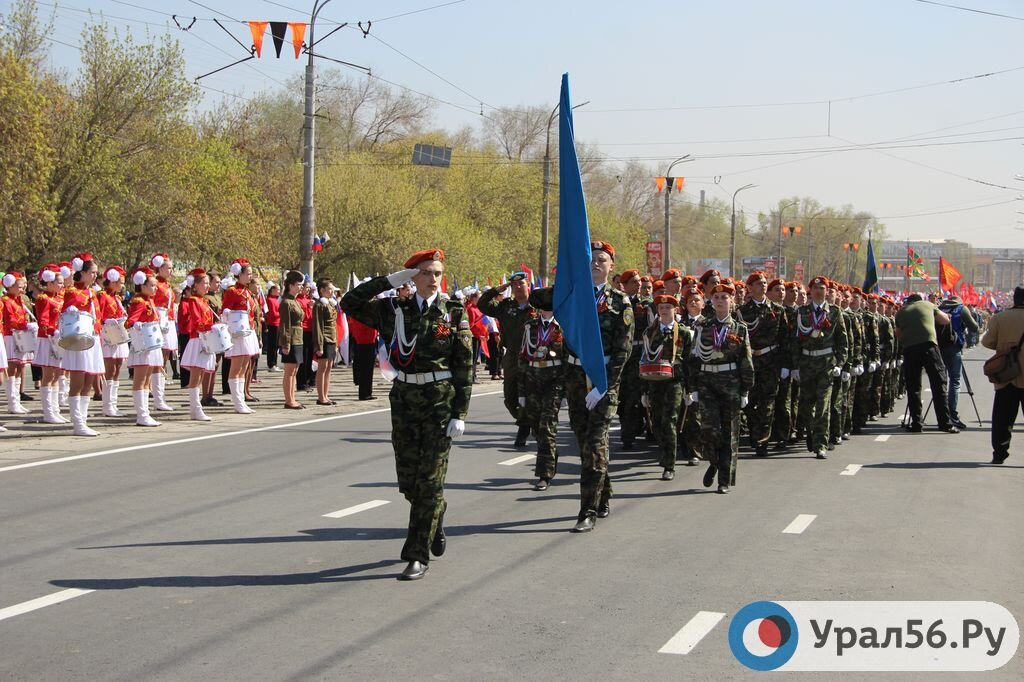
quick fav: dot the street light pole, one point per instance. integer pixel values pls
(778, 264)
(307, 217)
(732, 231)
(669, 181)
(546, 214)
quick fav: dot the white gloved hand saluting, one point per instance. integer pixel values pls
(693, 398)
(784, 374)
(456, 427)
(845, 376)
(835, 372)
(522, 401)
(397, 279)
(744, 401)
(593, 398)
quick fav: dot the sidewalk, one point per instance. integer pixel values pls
(28, 438)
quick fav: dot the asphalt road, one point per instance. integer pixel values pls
(214, 560)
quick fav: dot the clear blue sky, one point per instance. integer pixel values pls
(670, 55)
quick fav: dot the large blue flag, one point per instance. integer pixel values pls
(871, 274)
(575, 303)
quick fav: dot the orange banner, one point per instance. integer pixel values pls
(298, 35)
(258, 28)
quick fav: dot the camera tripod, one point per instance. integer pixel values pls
(970, 392)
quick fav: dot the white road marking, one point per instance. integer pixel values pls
(348, 511)
(800, 524)
(690, 634)
(41, 602)
(196, 439)
(882, 439)
(517, 460)
(851, 470)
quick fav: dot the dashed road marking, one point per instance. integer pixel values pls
(349, 511)
(851, 470)
(800, 524)
(41, 602)
(692, 633)
(882, 439)
(517, 460)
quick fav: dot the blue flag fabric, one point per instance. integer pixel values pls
(575, 303)
(871, 274)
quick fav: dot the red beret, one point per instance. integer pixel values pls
(693, 293)
(671, 273)
(723, 287)
(424, 256)
(690, 280)
(776, 282)
(820, 280)
(628, 275)
(666, 298)
(758, 274)
(707, 274)
(646, 278)
(603, 246)
(658, 284)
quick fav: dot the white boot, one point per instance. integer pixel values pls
(55, 406)
(12, 397)
(79, 405)
(142, 418)
(159, 385)
(64, 385)
(237, 387)
(195, 410)
(110, 399)
(46, 396)
(17, 397)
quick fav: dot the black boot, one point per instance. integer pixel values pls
(521, 435)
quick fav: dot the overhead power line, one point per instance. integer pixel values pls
(970, 9)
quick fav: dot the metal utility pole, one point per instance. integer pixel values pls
(732, 231)
(669, 181)
(307, 217)
(546, 215)
(778, 262)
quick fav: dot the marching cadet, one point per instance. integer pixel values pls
(869, 360)
(631, 410)
(887, 353)
(647, 287)
(841, 385)
(707, 282)
(666, 345)
(892, 374)
(821, 352)
(590, 411)
(543, 379)
(851, 307)
(512, 314)
(778, 291)
(673, 280)
(431, 346)
(721, 376)
(768, 332)
(693, 307)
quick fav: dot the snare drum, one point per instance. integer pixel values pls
(114, 332)
(25, 340)
(656, 371)
(147, 337)
(217, 340)
(238, 323)
(77, 330)
(165, 322)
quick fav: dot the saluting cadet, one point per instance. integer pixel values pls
(768, 332)
(431, 346)
(512, 314)
(631, 391)
(543, 379)
(721, 376)
(666, 345)
(590, 411)
(820, 350)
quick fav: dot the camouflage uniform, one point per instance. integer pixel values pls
(856, 360)
(840, 388)
(666, 396)
(886, 348)
(787, 397)
(541, 369)
(869, 354)
(817, 355)
(719, 383)
(767, 329)
(615, 315)
(442, 343)
(632, 413)
(511, 319)
(689, 444)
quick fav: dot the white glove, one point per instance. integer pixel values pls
(858, 370)
(397, 279)
(645, 400)
(872, 366)
(693, 398)
(137, 325)
(593, 398)
(56, 333)
(744, 401)
(835, 372)
(784, 374)
(845, 376)
(795, 375)
(522, 402)
(32, 327)
(899, 363)
(456, 427)
(892, 364)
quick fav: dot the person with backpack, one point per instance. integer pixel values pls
(1006, 333)
(952, 339)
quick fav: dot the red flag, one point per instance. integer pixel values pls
(444, 284)
(948, 275)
